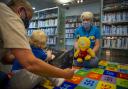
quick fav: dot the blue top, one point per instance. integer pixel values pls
(92, 34)
(38, 52)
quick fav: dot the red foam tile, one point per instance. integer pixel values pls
(95, 76)
(122, 75)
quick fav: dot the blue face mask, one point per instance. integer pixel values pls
(87, 25)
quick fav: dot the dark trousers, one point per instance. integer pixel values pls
(3, 80)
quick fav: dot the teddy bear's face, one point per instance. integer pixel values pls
(83, 43)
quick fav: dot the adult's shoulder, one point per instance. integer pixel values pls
(95, 28)
(7, 13)
(2, 4)
(4, 8)
(79, 28)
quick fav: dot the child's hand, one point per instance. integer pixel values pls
(53, 56)
(49, 55)
(10, 75)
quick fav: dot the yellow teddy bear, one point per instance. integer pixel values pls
(84, 52)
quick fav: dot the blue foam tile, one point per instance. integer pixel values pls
(89, 83)
(110, 73)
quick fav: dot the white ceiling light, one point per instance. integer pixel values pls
(65, 4)
(64, 1)
(79, 1)
(33, 8)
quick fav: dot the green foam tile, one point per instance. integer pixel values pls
(81, 87)
(122, 82)
(81, 73)
(98, 70)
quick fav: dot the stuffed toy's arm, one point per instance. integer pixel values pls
(76, 53)
(88, 57)
(91, 53)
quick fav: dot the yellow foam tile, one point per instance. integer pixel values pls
(103, 63)
(105, 85)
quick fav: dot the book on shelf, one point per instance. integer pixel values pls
(48, 16)
(69, 36)
(115, 17)
(35, 16)
(50, 31)
(117, 42)
(69, 31)
(51, 41)
(119, 30)
(33, 24)
(47, 23)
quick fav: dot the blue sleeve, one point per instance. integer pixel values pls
(16, 65)
(40, 54)
(43, 55)
(97, 33)
(76, 33)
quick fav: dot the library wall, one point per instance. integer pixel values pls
(94, 7)
(41, 5)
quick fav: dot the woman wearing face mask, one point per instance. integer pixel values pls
(92, 32)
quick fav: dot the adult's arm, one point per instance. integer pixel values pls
(33, 64)
(97, 45)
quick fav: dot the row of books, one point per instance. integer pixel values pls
(68, 25)
(30, 31)
(78, 19)
(114, 1)
(117, 16)
(115, 30)
(33, 24)
(46, 15)
(69, 42)
(73, 19)
(69, 31)
(50, 31)
(46, 23)
(69, 35)
(117, 42)
(96, 23)
(35, 17)
(51, 41)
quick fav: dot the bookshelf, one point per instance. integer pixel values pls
(71, 23)
(50, 21)
(114, 28)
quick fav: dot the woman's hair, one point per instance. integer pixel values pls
(25, 3)
(38, 39)
(87, 15)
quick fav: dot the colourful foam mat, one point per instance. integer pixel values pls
(108, 75)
